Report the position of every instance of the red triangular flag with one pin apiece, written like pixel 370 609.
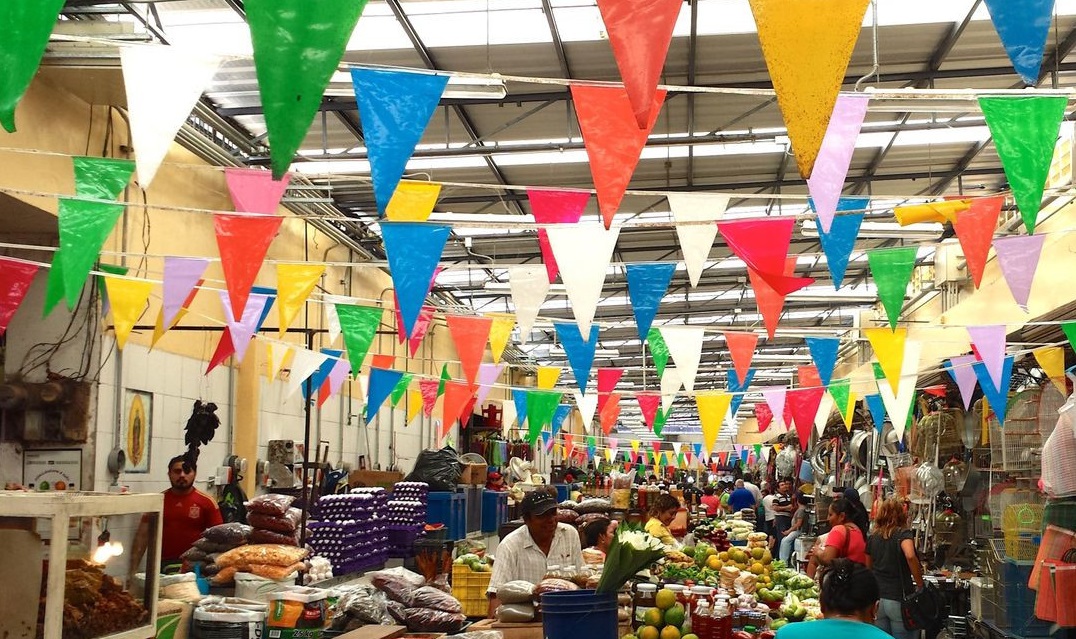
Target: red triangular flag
pixel 648 404
pixel 569 445
pixel 640 33
pixel 422 325
pixel 382 361
pixel 428 388
pixel 764 416
pixel 457 395
pixel 741 348
pixel 770 302
pixel 975 229
pixel 243 241
pixel 470 334
pixel 15 279
pixel 555 207
pixel 607 379
pixel 763 245
pixel 808 376
pixel 656 445
pixel 612 138
pixel 225 349
pixel 610 413
pixel 803 403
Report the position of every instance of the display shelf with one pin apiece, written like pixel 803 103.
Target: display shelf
pixel 60 508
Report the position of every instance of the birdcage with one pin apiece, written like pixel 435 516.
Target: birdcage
pixel 1016 445
pixel 1021 525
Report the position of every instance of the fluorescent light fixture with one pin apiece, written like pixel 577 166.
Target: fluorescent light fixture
pixel 554 289
pixel 885 231
pixel 458 88
pixel 557 349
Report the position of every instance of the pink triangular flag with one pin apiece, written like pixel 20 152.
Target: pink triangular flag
pixel 555 207
pixel 255 190
pixel 742 349
pixel 181 275
pixel 1018 257
pixel 989 343
pixel 487 377
pixel 962 372
pixel 607 379
pixel 243 330
pixel 428 388
pixel 337 376
pixel 763 415
pixel 775 398
pixel 834 156
pixel 648 404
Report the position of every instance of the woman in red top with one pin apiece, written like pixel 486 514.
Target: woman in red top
pixel 845 539
pixel 710 501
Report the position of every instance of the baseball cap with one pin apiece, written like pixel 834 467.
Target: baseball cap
pixel 537 502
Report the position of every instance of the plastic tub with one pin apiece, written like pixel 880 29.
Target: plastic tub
pixel 579 613
pixel 253 587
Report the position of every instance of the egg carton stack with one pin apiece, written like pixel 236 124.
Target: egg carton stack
pixel 407 516
pixel 352 529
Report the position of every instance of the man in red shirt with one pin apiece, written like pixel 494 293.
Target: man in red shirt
pixel 187 513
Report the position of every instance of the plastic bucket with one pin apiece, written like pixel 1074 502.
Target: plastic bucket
pixel 579 613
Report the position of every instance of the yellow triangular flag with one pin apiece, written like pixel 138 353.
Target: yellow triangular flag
pixel 712 408
pixel 499 332
pixel 609 455
pixel 128 299
pixel 807 46
pixel 158 327
pixel 1052 360
pixel 414 404
pixel 294 283
pixel 635 446
pixel 275 360
pixel 413 201
pixel 889 349
pixel 848 411
pixel 548 376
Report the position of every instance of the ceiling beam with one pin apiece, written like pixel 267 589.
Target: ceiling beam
pixel 558 45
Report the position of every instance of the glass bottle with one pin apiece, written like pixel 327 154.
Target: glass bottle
pixel 645 600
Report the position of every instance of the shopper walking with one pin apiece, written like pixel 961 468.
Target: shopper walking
pixel 849 601
pixel 891 556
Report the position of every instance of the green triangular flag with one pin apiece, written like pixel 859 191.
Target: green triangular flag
pixel 659 421
pixel 658 350
pixel 758 451
pixel 101 178
pixel 445 377
pixel 297 48
pixel 541 405
pixel 54 291
pixel 84 227
pixel 878 372
pixel 1025 133
pixel 679 459
pixel 1070 332
pixel 892 270
pixel 839 390
pixel 27 27
pixel 359 327
pixel 401 388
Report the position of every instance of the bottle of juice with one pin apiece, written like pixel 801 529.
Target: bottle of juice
pixel 701 619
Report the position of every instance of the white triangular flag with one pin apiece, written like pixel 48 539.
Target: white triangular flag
pixel 508 416
pixel 277 354
pixel 530 285
pixel 587 405
pixel 329 303
pixel 583 252
pixel 821 418
pixel 696 240
pixel 670 386
pixel 303 365
pixel 163 85
pixel 899 406
pixel 676 446
pixel 685 346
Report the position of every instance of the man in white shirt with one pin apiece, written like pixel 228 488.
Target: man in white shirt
pixel 767 505
pixel 525 552
pixel 755 490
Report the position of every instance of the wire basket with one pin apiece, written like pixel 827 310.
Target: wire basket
pixel 1016 446
pixel 1021 525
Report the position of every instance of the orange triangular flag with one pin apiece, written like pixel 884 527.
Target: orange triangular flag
pixel 470 334
pixel 975 229
pixel 612 138
pixel 770 302
pixel 610 413
pixel 741 348
pixel 807 46
pixel 457 395
pixel 640 33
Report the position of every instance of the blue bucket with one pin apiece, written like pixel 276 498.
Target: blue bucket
pixel 579 613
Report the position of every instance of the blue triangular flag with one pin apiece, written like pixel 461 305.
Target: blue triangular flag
pixel 997 396
pixel 270 294
pixel 697 447
pixel 744 453
pixel 563 410
pixel 1023 26
pixel 841 239
pixel 413 250
pixel 737 388
pixel 545 438
pixel 647 284
pixel 320 375
pixel 382 381
pixel 519 396
pixel 824 354
pixel 580 354
pixel 395 107
pixel 877 409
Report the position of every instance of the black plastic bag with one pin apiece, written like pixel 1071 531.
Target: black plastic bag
pixel 441 469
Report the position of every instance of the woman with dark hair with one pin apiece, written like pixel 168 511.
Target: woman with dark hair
pixel 845 538
pixel 598 534
pixel 662 513
pixel 891 556
pixel 860 517
pixel 849 601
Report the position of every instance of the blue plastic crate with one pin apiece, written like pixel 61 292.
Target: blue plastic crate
pixel 1016 612
pixel 562 491
pixel 449 509
pixel 494 510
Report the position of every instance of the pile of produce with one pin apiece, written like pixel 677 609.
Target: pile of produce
pixel 95 604
pixel 664 621
pixel 713 533
pixel 474 562
pixel 710 564
pixel 795 609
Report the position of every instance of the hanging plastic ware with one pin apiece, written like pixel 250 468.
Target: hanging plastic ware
pixel 927 483
pixel 955 473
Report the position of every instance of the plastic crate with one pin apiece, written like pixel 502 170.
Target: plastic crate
pixel 469 588
pixel 494 510
pixel 1015 602
pixel 562 491
pixel 449 509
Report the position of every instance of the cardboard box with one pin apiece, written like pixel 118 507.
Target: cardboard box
pixel 383 478
pixel 474 475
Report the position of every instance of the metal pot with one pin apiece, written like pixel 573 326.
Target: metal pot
pixel 860 448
